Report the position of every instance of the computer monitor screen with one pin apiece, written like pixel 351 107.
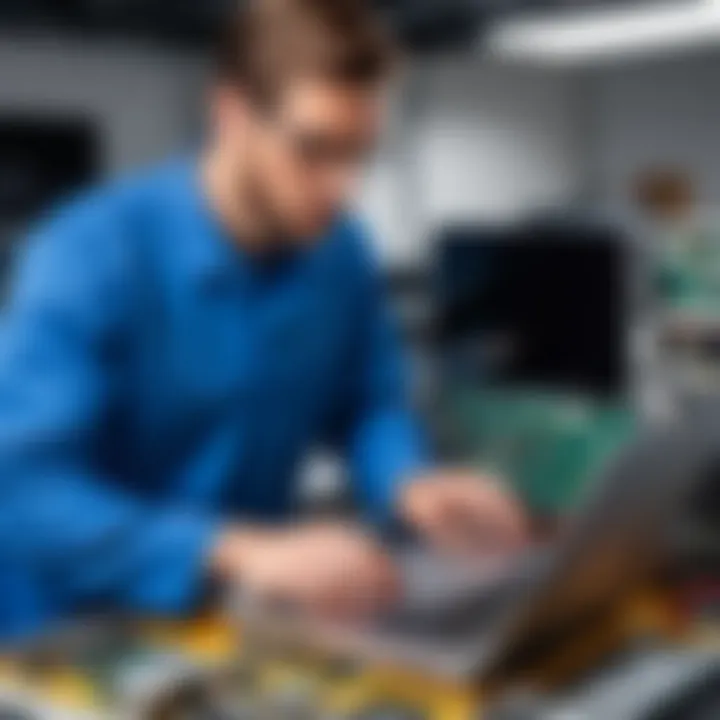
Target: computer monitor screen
pixel 538 305
pixel 43 158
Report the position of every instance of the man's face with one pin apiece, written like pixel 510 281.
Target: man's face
pixel 302 156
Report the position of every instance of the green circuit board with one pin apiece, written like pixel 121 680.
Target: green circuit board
pixel 549 446
pixel 688 277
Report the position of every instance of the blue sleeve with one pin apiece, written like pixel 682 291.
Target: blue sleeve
pixel 89 540
pixel 387 444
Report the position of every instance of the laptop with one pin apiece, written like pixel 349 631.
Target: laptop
pixel 471 625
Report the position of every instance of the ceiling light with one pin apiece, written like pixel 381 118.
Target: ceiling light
pixel 606 34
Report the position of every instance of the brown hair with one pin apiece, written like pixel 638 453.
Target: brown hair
pixel 664 192
pixel 268 41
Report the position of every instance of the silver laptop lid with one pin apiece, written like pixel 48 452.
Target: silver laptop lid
pixel 616 541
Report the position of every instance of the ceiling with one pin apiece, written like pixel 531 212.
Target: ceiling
pixel 426 25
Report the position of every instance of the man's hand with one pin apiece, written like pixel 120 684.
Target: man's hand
pixel 461 511
pixel 329 569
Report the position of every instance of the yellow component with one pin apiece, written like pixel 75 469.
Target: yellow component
pixel 209 639
pixel 68 690
pixel 439 700
pixel 347 696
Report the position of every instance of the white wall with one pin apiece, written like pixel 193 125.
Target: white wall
pixel 467 139
pixel 142 98
pixel 666 113
pixel 478 141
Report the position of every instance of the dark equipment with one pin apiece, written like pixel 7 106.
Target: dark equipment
pixel 650 684
pixel 541 305
pixel 42 160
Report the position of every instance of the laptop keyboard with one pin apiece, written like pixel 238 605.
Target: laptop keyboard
pixel 444 596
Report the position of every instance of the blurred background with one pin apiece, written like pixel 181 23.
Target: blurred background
pixel 544 202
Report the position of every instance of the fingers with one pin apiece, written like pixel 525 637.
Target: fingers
pixel 356 591
pixel 492 516
pixel 334 572
pixel 465 513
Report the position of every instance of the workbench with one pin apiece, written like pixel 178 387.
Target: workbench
pixel 163 655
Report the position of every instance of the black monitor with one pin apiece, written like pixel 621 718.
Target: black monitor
pixel 43 158
pixel 539 304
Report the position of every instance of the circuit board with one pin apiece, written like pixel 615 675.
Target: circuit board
pixel 548 446
pixel 167 671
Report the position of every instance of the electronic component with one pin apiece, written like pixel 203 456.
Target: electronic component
pixel 648 685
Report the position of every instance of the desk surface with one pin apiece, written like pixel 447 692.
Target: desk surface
pixel 88 690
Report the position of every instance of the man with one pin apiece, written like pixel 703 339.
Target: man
pixel 175 343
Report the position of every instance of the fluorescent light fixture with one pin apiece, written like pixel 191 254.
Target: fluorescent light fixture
pixel 606 34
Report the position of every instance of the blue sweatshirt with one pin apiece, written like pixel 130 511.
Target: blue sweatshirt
pixel 156 381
